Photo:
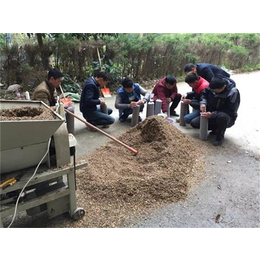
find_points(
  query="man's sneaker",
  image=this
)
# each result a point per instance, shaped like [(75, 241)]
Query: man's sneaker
[(140, 119), (218, 142), (174, 113), (105, 126), (177, 120)]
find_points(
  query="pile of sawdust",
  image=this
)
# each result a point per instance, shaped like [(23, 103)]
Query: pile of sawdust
[(116, 185), (26, 113)]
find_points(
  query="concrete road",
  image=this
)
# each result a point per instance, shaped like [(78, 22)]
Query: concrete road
[(230, 190)]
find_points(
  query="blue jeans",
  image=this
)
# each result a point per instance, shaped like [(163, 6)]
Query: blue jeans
[(187, 118), (99, 118)]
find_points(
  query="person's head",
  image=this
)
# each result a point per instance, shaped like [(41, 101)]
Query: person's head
[(170, 81), (217, 84), (128, 84), (190, 67), (102, 78), (55, 77), (192, 79)]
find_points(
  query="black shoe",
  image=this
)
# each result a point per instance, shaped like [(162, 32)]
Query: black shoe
[(213, 132), (174, 113), (218, 142), (122, 119), (140, 119)]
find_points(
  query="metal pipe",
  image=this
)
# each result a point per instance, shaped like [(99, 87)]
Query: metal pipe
[(158, 106), (203, 128), (183, 112), (135, 115), (150, 109), (104, 133)]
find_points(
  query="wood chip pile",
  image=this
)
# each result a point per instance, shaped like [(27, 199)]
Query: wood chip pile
[(117, 186), (26, 113)]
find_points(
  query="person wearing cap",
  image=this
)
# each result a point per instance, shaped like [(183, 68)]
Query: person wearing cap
[(90, 99), (129, 96), (166, 90), (219, 103), (48, 91), (192, 98), (208, 71)]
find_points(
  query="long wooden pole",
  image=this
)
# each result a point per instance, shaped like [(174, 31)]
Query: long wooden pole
[(102, 132)]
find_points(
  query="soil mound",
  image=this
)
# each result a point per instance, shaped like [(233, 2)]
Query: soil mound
[(26, 113), (117, 184)]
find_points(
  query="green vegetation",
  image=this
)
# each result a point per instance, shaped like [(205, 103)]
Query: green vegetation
[(141, 56)]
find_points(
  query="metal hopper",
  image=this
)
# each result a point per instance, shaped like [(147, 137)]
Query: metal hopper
[(23, 143)]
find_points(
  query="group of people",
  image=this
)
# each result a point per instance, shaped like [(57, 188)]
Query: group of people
[(214, 95)]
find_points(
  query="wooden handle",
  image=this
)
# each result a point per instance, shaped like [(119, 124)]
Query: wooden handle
[(102, 132)]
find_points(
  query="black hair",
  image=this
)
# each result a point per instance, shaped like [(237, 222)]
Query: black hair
[(217, 83), (55, 73), (188, 67), (127, 82), (191, 77), (103, 75), (170, 80)]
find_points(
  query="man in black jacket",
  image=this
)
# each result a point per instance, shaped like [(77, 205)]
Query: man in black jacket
[(208, 71), (219, 103), (90, 98)]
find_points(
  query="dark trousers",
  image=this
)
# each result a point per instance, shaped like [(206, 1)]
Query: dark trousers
[(124, 113), (175, 102), (219, 124)]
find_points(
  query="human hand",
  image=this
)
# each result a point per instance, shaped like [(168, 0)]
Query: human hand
[(140, 102), (203, 108), (186, 101), (133, 104), (102, 101), (206, 114), (168, 100)]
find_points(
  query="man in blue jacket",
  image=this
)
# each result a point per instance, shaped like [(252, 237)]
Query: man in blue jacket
[(208, 71), (128, 96), (90, 99), (219, 103)]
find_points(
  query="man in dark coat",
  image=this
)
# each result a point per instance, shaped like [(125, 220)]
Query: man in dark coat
[(219, 103), (90, 99), (208, 71)]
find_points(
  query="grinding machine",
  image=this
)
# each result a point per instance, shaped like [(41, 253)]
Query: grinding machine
[(38, 165)]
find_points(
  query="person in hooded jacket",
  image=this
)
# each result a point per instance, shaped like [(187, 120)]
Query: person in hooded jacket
[(219, 103)]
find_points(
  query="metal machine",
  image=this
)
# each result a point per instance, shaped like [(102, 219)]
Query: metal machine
[(50, 187)]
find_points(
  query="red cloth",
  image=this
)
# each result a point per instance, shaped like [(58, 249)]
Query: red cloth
[(202, 83), (162, 92)]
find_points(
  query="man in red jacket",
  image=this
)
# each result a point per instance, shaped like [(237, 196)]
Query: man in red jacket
[(166, 90), (198, 84)]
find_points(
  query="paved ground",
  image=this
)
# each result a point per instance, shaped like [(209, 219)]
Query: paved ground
[(230, 189)]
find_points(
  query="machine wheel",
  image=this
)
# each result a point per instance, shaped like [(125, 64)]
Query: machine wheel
[(78, 214)]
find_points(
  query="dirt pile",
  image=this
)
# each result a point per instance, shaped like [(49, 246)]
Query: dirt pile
[(117, 185), (26, 113)]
